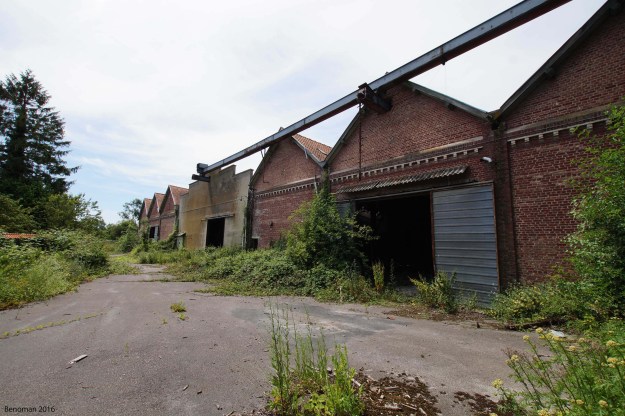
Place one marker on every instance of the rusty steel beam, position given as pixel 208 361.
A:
pixel 513 17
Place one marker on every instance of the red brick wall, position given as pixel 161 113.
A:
pixel 287 164
pixel 271 214
pixel 593 76
pixel 541 172
pixel 590 78
pixel 415 123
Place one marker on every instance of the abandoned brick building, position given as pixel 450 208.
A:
pixel 450 187
pixel 287 176
pixel 169 210
pixel 154 220
pixel 143 214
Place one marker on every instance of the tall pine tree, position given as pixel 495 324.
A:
pixel 32 142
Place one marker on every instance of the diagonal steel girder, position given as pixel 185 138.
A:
pixel 480 34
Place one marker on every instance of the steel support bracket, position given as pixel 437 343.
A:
pixel 373 100
pixel 201 178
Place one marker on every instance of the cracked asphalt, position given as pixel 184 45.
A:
pixel 142 359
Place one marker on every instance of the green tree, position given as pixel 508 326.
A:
pixel 72 212
pixel 131 210
pixel 32 143
pixel 13 217
pixel 321 236
pixel 598 246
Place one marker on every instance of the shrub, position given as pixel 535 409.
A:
pixel 438 293
pixel 320 235
pixel 52 263
pixel 554 301
pixel 598 246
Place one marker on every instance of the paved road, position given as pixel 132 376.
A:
pixel 141 356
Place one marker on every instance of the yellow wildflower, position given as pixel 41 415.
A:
pixel 539 330
pixel 611 343
pixel 572 348
pixel 514 358
pixel 543 412
pixel 497 383
pixel 579 402
pixel 612 360
pixel 603 403
pixel 526 338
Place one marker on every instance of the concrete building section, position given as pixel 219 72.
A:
pixel 213 212
pixel 288 176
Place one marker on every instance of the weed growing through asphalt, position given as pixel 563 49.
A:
pixel 182 316
pixel 301 382
pixel 164 321
pixel 178 307
pixel 29 329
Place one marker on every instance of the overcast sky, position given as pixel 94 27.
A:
pixel 150 88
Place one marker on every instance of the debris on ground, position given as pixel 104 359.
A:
pixel 75 360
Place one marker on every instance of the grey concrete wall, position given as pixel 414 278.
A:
pixel 225 196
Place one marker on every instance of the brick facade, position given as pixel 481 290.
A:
pixel 286 178
pixel 168 213
pixel 543 151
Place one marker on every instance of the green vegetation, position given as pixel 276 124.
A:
pixel 51 263
pixel 30 329
pixel 301 382
pixel 320 236
pixel 438 293
pixel 178 307
pixel 586 375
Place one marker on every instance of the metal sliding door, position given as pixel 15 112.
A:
pixel 465 241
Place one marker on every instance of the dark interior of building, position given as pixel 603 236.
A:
pixel 403 227
pixel 215 232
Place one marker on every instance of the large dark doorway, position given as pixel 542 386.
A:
pixel 215 232
pixel 404 230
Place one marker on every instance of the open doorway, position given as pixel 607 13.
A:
pixel 404 230
pixel 215 232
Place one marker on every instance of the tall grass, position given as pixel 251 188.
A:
pixel 301 383
pixel 48 265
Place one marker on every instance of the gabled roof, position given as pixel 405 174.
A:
pixel 448 101
pixel 174 192
pixel 145 208
pixel 317 151
pixel 548 69
pixel 156 200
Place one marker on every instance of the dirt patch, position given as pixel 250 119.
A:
pixel 464 316
pixel 405 395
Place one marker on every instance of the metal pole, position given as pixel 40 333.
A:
pixel 490 29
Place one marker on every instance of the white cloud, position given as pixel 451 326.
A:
pixel 150 88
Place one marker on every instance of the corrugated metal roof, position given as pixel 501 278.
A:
pixel 17 236
pixel 433 174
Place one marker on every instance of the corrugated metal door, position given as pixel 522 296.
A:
pixel 465 240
